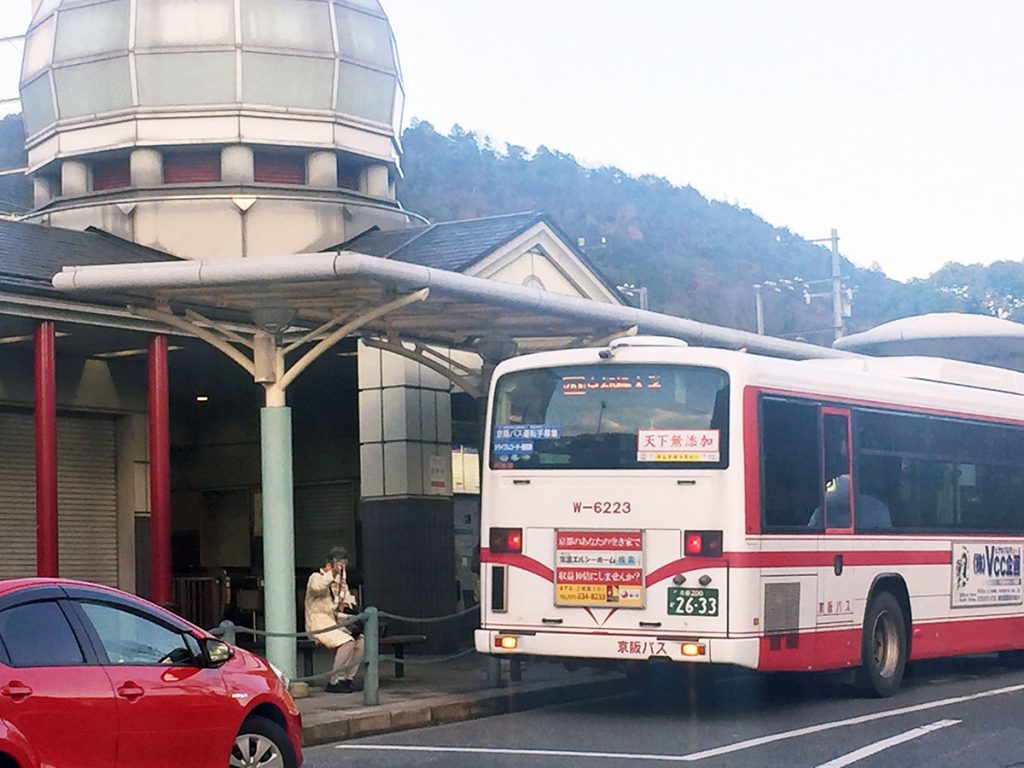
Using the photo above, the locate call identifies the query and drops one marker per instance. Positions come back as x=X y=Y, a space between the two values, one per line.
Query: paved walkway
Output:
x=432 y=694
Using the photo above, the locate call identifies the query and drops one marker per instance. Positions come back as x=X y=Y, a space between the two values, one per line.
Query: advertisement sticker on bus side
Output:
x=986 y=574
x=599 y=568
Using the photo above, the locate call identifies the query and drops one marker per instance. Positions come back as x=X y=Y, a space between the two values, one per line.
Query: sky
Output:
x=900 y=124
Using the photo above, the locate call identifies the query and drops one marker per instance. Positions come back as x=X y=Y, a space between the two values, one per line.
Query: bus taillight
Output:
x=507 y=540
x=702 y=543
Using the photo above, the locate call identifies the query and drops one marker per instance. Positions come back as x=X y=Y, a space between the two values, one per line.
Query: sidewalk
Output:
x=432 y=694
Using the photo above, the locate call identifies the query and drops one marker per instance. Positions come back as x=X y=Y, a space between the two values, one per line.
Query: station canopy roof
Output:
x=304 y=291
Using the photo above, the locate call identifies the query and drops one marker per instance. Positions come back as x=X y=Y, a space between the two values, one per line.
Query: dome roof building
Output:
x=978 y=339
x=214 y=128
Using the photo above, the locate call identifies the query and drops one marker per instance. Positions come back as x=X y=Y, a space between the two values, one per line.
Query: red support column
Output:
x=159 y=472
x=46 y=451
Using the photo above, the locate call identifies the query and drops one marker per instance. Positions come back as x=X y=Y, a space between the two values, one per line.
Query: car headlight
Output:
x=281 y=675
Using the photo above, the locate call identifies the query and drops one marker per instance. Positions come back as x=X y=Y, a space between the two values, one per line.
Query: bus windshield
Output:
x=627 y=416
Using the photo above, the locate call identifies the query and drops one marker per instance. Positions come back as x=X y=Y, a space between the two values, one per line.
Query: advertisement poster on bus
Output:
x=678 y=445
x=598 y=569
x=986 y=574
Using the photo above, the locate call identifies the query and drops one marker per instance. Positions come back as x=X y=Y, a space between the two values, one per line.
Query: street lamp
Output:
x=637 y=291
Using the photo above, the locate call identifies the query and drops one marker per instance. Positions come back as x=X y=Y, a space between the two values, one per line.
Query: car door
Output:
x=51 y=688
x=172 y=709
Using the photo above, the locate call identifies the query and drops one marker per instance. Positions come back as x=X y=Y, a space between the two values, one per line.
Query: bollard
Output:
x=371 y=675
x=515 y=669
x=493 y=665
x=228 y=634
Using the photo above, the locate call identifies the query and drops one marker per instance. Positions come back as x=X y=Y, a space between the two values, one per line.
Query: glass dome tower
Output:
x=214 y=128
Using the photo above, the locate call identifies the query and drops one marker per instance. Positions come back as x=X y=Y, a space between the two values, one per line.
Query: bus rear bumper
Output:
x=716 y=650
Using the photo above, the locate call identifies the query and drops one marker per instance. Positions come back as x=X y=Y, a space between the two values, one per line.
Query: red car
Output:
x=94 y=677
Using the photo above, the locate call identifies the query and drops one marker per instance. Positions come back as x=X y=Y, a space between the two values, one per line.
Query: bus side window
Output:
x=789 y=447
x=835 y=446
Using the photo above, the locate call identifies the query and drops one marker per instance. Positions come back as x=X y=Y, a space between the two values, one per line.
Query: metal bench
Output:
x=396 y=643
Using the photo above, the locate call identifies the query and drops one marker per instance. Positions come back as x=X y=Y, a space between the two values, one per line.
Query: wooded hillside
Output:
x=698 y=258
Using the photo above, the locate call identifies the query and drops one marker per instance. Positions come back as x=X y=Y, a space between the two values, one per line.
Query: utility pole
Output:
x=759 y=308
x=837 y=283
x=835 y=291
x=837 y=287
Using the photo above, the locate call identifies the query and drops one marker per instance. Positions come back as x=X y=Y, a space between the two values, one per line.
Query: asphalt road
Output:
x=962 y=712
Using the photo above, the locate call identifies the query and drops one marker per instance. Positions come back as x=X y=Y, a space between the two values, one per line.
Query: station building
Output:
x=165 y=130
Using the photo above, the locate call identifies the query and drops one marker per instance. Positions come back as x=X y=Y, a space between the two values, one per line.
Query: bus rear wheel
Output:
x=883 y=647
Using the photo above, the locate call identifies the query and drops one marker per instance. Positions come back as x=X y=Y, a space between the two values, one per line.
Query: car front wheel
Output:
x=261 y=743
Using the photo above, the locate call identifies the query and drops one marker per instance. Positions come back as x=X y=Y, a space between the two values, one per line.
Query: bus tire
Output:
x=883 y=646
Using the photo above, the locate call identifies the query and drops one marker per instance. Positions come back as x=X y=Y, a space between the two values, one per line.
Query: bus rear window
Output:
x=611 y=417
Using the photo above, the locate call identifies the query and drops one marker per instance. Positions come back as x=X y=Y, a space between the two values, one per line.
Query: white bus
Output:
x=650 y=500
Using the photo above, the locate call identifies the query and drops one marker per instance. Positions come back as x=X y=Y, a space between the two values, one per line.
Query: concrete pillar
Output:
x=43 y=190
x=279 y=596
x=322 y=170
x=147 y=168
x=74 y=178
x=407 y=513
x=373 y=180
x=236 y=164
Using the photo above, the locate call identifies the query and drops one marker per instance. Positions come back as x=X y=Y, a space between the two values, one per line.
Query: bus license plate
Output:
x=687 y=601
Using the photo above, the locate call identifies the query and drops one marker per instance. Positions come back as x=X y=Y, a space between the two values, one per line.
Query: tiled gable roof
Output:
x=450 y=245
x=31 y=254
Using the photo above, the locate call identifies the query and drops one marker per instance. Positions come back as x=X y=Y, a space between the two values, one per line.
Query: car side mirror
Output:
x=216 y=651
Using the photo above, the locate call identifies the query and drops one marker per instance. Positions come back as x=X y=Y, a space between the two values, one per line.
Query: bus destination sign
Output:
x=599 y=568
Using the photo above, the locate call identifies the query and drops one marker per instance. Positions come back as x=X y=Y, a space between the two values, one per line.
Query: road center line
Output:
x=871 y=749
x=703 y=754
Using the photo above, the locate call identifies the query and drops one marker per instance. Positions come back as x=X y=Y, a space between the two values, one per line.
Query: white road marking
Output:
x=716 y=751
x=871 y=749
x=523 y=752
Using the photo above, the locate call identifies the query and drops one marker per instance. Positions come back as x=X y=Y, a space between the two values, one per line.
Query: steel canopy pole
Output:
x=159 y=473
x=46 y=450
x=278 y=522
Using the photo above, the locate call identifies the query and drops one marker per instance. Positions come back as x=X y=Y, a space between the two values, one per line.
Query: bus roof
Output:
x=934 y=369
x=926 y=382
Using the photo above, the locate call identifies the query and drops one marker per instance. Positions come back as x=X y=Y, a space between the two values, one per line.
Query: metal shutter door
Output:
x=111 y=174
x=275 y=169
x=325 y=517
x=17 y=495
x=87 y=498
x=191 y=168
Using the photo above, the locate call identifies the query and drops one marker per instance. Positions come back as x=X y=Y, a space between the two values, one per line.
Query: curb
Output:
x=326 y=727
